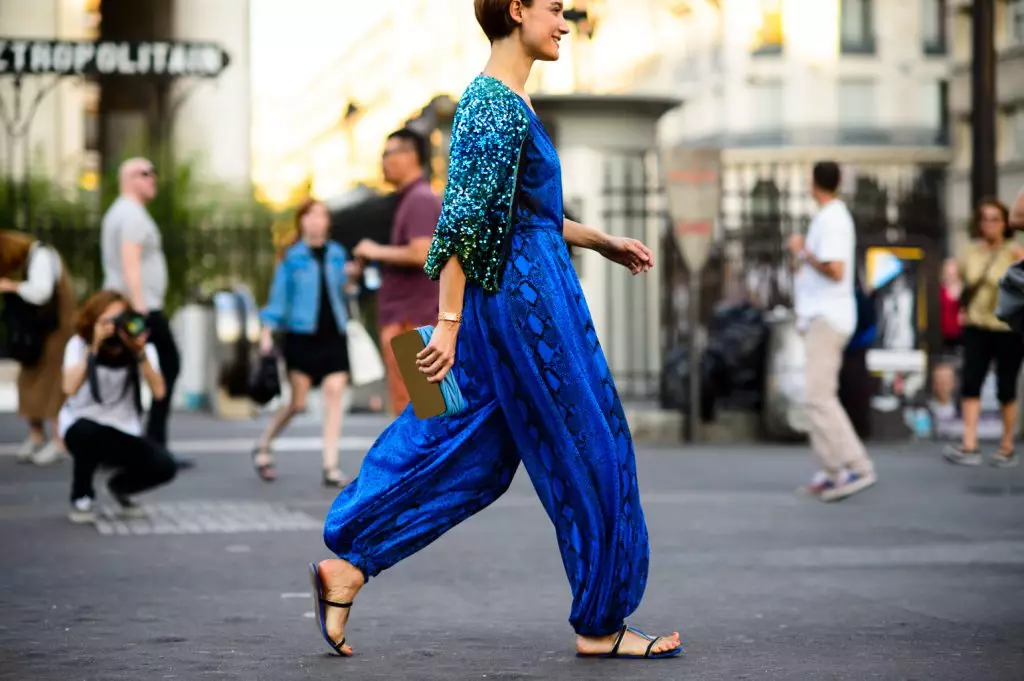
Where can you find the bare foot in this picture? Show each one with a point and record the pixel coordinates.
(632, 644)
(342, 581)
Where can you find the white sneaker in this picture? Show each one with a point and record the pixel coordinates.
(47, 455)
(27, 450)
(82, 511)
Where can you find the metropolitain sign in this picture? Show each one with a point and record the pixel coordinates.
(111, 57)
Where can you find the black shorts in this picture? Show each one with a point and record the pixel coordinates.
(982, 347)
(315, 356)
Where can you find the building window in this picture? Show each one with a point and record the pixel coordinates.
(1017, 128)
(857, 104)
(933, 26)
(1015, 22)
(944, 117)
(856, 27)
(91, 118)
(769, 38)
(768, 100)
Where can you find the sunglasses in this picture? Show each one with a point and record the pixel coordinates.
(391, 152)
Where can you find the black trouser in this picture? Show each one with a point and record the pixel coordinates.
(139, 463)
(855, 391)
(981, 347)
(170, 365)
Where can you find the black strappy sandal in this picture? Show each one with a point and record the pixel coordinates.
(320, 605)
(266, 471)
(648, 655)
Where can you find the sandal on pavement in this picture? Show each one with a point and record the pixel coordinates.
(266, 471)
(320, 605)
(648, 655)
(333, 477)
(1005, 458)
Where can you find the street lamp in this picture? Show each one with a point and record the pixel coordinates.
(586, 15)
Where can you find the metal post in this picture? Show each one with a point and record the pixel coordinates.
(693, 423)
(983, 101)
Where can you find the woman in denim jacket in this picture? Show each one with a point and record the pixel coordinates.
(307, 303)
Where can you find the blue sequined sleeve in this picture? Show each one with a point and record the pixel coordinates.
(488, 132)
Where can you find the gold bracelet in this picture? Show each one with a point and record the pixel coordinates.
(452, 317)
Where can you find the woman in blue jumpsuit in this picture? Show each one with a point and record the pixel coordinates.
(528, 362)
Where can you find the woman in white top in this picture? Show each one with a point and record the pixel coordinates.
(39, 310)
(101, 421)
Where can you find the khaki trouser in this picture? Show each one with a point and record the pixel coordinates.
(833, 438)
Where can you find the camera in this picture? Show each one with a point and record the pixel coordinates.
(131, 323)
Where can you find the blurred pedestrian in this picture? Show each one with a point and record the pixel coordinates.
(39, 311)
(307, 302)
(950, 314)
(987, 340)
(407, 298)
(854, 378)
(515, 331)
(101, 421)
(131, 248)
(826, 310)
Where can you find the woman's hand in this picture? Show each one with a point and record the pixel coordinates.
(135, 344)
(437, 359)
(101, 331)
(266, 342)
(630, 253)
(353, 268)
(8, 286)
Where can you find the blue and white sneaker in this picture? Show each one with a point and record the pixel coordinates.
(851, 484)
(818, 484)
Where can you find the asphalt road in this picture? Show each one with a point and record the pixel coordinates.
(919, 578)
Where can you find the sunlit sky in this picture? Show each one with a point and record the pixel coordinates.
(291, 40)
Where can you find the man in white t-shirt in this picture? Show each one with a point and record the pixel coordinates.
(826, 311)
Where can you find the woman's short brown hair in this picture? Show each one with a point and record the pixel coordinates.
(992, 202)
(93, 308)
(14, 249)
(495, 19)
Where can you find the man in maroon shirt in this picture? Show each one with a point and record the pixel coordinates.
(407, 298)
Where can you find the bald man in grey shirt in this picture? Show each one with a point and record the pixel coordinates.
(132, 253)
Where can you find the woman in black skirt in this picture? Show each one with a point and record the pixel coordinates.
(307, 303)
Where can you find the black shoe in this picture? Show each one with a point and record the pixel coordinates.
(183, 462)
(128, 510)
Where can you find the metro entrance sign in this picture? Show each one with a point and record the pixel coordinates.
(52, 61)
(29, 57)
(693, 201)
(692, 185)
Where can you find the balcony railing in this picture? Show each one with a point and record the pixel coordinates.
(830, 137)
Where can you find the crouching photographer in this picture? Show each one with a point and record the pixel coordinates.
(104, 366)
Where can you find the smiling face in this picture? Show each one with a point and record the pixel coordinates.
(541, 27)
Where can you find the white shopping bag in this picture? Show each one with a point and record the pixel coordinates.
(364, 360)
